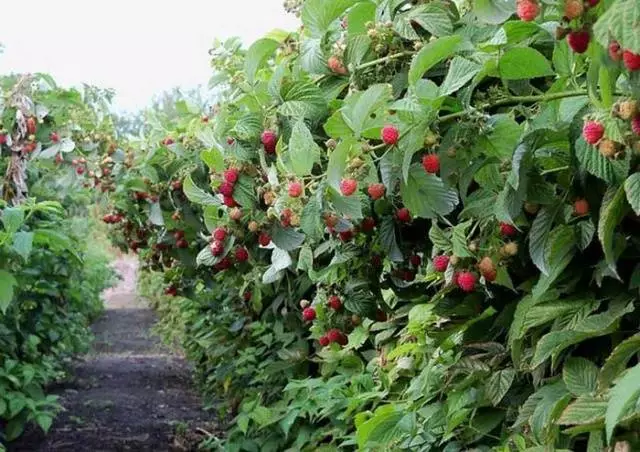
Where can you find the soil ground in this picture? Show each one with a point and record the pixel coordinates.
(130, 393)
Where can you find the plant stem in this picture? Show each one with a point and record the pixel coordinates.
(393, 56)
(513, 100)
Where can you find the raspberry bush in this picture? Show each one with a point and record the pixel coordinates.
(430, 228)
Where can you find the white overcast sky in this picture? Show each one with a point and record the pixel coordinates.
(137, 47)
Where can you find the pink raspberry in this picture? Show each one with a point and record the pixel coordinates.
(269, 140)
(231, 176)
(324, 341)
(348, 186)
(403, 215)
(466, 281)
(592, 131)
(376, 191)
(631, 60)
(579, 40)
(440, 263)
(226, 189)
(308, 314)
(635, 125)
(527, 10)
(217, 248)
(508, 230)
(219, 233)
(295, 189)
(390, 135)
(431, 163)
(242, 254)
(615, 53)
(335, 303)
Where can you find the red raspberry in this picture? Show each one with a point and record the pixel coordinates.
(408, 275)
(324, 341)
(229, 201)
(376, 191)
(592, 3)
(182, 243)
(54, 137)
(390, 135)
(224, 264)
(295, 189)
(231, 176)
(226, 189)
(615, 53)
(403, 215)
(308, 314)
(368, 224)
(635, 125)
(508, 230)
(247, 295)
(336, 65)
(431, 163)
(80, 170)
(466, 281)
(579, 40)
(31, 125)
(527, 10)
(242, 254)
(592, 131)
(580, 207)
(335, 303)
(178, 235)
(348, 186)
(631, 60)
(219, 233)
(230, 141)
(345, 236)
(168, 141)
(264, 239)
(269, 140)
(440, 263)
(376, 261)
(415, 260)
(3, 138)
(334, 335)
(217, 248)
(171, 291)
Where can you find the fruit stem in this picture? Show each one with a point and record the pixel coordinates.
(513, 100)
(393, 56)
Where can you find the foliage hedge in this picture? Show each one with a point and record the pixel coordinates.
(410, 225)
(51, 277)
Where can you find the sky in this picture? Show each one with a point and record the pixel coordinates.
(137, 47)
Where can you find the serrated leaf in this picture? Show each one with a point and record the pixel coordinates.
(433, 17)
(7, 283)
(585, 231)
(560, 249)
(317, 15)
(494, 11)
(612, 212)
(197, 195)
(287, 239)
(365, 110)
(303, 151)
(338, 163)
(23, 243)
(623, 396)
(12, 219)
(213, 159)
(460, 72)
(431, 54)
(584, 410)
(257, 55)
(580, 375)
(155, 214)
(617, 360)
(595, 163)
(620, 23)
(539, 237)
(499, 385)
(523, 63)
(632, 188)
(426, 196)
(388, 240)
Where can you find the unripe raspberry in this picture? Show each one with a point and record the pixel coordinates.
(631, 60)
(348, 186)
(440, 263)
(253, 226)
(615, 52)
(336, 66)
(466, 281)
(580, 207)
(390, 135)
(592, 131)
(527, 10)
(491, 275)
(486, 265)
(308, 314)
(431, 163)
(626, 109)
(242, 255)
(335, 303)
(608, 148)
(376, 191)
(219, 234)
(508, 230)
(295, 189)
(573, 9)
(510, 249)
(403, 215)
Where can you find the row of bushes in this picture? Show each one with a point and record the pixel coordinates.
(411, 225)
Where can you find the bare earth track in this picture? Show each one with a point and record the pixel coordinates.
(129, 393)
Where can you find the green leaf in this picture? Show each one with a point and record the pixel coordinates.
(622, 397)
(338, 163)
(460, 72)
(620, 22)
(381, 428)
(632, 188)
(155, 214)
(612, 212)
(244, 191)
(12, 219)
(317, 15)
(303, 151)
(431, 54)
(348, 206)
(585, 410)
(257, 55)
(364, 111)
(523, 63)
(426, 196)
(494, 11)
(580, 375)
(539, 237)
(617, 360)
(287, 239)
(499, 385)
(561, 248)
(585, 231)
(433, 17)
(213, 159)
(595, 163)
(44, 420)
(7, 283)
(388, 240)
(23, 243)
(197, 195)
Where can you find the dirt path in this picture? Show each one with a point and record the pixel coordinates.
(130, 393)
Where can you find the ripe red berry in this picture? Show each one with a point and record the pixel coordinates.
(3, 138)
(408, 275)
(345, 236)
(592, 3)
(527, 10)
(415, 260)
(247, 295)
(219, 233)
(229, 201)
(295, 189)
(348, 186)
(54, 137)
(336, 65)
(635, 125)
(376, 191)
(508, 230)
(31, 146)
(269, 140)
(168, 141)
(390, 135)
(226, 189)
(217, 247)
(592, 131)
(182, 243)
(231, 175)
(403, 215)
(264, 239)
(615, 52)
(466, 281)
(580, 207)
(431, 163)
(31, 125)
(335, 303)
(324, 341)
(440, 263)
(335, 335)
(80, 170)
(579, 40)
(178, 235)
(230, 141)
(224, 264)
(171, 291)
(368, 224)
(242, 255)
(631, 60)
(308, 314)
